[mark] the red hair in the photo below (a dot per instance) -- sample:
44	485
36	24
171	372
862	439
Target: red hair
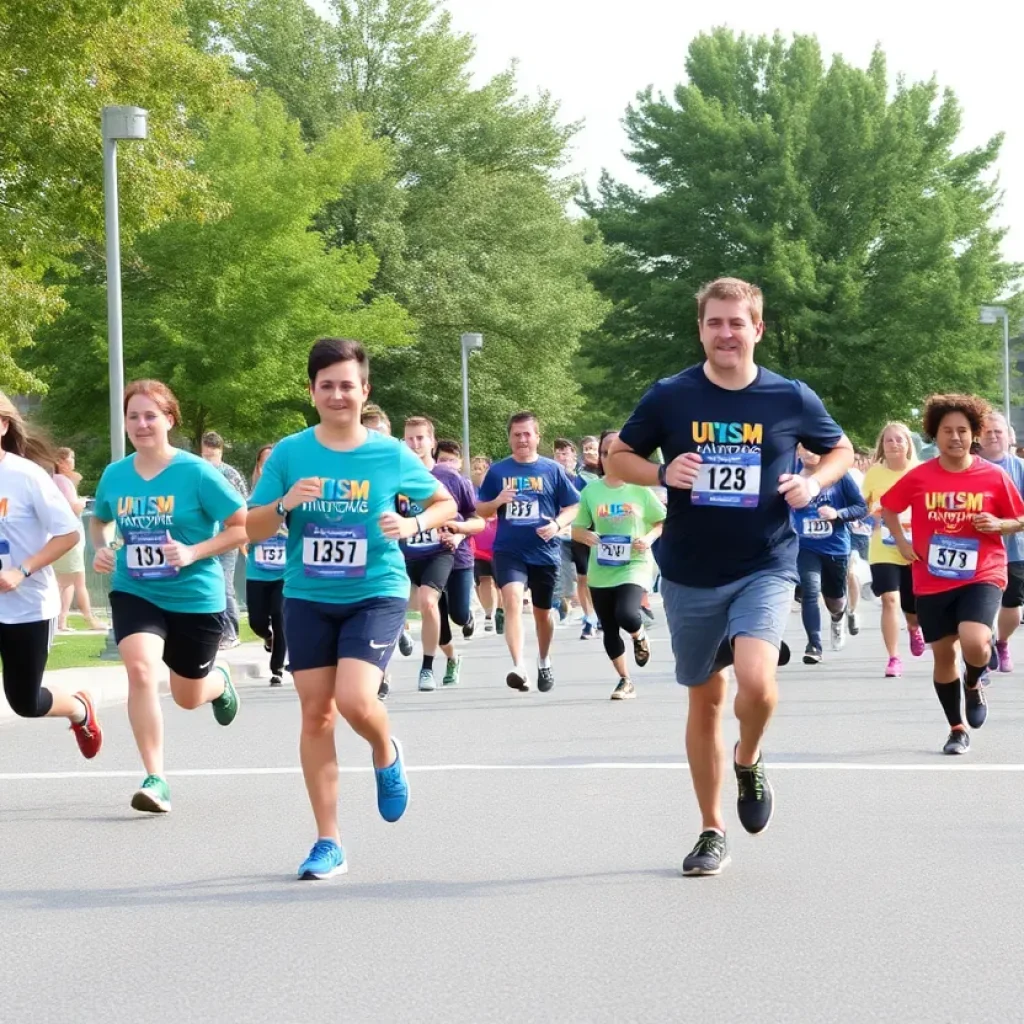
158	393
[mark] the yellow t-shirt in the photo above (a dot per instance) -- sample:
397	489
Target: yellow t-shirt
878	479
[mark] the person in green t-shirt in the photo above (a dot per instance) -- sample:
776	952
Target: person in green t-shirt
619	522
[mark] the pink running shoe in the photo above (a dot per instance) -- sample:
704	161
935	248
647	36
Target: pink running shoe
916	643
1005	661
894	668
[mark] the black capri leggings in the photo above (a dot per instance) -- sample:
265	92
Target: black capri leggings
617	608
455	602
265	601
24	648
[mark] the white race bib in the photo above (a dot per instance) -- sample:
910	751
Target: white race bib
728	478
424	540
953	558
334	552
814	527
614	550
270	555
523	510
889	540
144	555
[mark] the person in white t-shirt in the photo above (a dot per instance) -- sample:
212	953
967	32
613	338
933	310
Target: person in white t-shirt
37	526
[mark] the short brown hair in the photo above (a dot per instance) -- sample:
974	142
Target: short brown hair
939	406
373	413
522	417
449	447
211	439
420	421
735	289
561	443
158	393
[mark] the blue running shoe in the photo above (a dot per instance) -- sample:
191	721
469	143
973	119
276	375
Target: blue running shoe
392	787
325	860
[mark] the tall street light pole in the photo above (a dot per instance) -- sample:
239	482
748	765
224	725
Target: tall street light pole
470	343
992	315
118	123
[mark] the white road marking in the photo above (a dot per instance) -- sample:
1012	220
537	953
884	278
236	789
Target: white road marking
613	766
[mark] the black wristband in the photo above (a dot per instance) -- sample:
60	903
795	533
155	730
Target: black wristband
662	470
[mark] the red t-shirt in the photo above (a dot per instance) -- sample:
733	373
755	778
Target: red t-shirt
951	552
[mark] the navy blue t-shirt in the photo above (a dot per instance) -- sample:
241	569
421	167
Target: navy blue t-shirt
542	490
734	522
830	536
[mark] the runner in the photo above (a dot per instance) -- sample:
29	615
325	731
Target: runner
483	558
618	523
37	527
824	535
575	556
891	579
264	586
534	500
860	543
961	507
728	430
345	587
589	469
995	447
439	564
167	596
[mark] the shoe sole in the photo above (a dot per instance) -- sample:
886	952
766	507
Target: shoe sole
408	792
149	804
623	696
97	728
809	660
514	681
707	872
956	753
312	876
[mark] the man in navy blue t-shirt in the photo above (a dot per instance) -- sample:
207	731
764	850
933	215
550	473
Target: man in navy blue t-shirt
728	431
534	501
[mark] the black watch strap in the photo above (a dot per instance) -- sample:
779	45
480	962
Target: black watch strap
662	470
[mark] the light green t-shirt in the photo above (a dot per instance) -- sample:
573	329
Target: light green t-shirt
618	515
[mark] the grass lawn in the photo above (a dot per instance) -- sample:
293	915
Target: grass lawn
71	651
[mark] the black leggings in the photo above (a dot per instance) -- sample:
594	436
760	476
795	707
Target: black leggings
265	602
455	602
617	608
24	648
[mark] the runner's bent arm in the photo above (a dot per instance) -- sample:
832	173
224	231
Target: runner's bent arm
834	464
624	463
232	536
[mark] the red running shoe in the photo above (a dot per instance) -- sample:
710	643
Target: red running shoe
88	733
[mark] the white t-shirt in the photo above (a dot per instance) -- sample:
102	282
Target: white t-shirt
32	510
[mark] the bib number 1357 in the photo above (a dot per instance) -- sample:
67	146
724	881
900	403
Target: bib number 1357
334	552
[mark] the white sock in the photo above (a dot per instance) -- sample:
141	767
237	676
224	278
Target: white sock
642	635
79	716
544	662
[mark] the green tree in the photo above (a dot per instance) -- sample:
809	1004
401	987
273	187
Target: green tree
845	198
470	226
60	62
224	310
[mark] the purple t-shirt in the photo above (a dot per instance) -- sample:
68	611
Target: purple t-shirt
428	544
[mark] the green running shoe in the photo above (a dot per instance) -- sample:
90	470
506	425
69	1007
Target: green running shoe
153	796
225	707
451	673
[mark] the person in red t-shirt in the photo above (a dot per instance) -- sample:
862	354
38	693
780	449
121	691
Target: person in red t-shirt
961	507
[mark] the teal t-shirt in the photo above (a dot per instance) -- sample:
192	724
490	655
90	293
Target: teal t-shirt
618	515
335	551
186	501
265	561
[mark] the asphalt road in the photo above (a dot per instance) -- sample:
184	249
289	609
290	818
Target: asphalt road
535	876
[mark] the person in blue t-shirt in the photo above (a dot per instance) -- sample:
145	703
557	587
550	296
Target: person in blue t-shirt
728	430
335	485
995	448
823	532
575	556
167	597
534	501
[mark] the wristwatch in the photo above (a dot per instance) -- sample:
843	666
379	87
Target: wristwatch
662	470
25	572
280	509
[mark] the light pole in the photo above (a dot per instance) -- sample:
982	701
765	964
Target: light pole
118	123
470	343
992	315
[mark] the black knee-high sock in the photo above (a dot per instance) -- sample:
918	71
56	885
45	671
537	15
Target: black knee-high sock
949	698
973	673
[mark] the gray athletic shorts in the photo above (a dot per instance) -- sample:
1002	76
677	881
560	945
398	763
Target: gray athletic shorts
700	618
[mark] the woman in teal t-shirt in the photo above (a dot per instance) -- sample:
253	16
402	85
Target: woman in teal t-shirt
167	598
264	586
345	584
619	522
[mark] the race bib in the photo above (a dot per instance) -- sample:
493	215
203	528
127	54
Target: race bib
614	550
728	478
144	555
6	562
334	552
889	540
953	558
523	510
424	541
817	527
270	555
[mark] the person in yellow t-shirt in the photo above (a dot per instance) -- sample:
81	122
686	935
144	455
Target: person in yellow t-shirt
890	572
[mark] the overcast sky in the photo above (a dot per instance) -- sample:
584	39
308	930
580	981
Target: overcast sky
595	63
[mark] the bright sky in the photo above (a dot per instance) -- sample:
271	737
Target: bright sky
594	63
